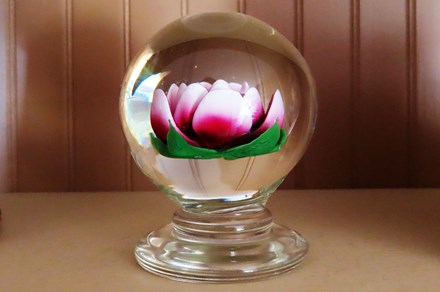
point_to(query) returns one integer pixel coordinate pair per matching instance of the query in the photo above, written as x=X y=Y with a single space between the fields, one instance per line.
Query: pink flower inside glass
x=214 y=115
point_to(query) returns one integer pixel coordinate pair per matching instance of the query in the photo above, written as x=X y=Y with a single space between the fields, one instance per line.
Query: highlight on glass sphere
x=218 y=107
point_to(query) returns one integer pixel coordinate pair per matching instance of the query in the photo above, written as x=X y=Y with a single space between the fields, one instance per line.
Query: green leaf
x=178 y=147
x=160 y=146
x=264 y=144
x=281 y=141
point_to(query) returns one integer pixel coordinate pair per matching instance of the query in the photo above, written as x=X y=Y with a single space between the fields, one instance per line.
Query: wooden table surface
x=361 y=240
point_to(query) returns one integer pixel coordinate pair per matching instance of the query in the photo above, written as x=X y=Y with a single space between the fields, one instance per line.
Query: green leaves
x=177 y=147
x=264 y=144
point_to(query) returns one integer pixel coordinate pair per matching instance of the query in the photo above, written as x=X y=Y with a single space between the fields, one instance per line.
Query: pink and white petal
x=235 y=86
x=207 y=85
x=275 y=112
x=252 y=97
x=172 y=96
x=187 y=104
x=160 y=117
x=220 y=85
x=182 y=88
x=244 y=87
x=173 y=104
x=221 y=117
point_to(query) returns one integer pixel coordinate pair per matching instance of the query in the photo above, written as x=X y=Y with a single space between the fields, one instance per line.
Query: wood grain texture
x=41 y=102
x=427 y=112
x=375 y=63
x=200 y=6
x=280 y=16
x=411 y=86
x=380 y=111
x=284 y=17
x=327 y=49
x=98 y=67
x=144 y=23
x=4 y=94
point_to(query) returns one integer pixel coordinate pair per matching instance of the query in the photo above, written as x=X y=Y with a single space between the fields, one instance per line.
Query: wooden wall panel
x=427 y=103
x=41 y=101
x=98 y=67
x=380 y=107
x=4 y=97
x=327 y=46
x=143 y=25
x=375 y=63
x=200 y=6
x=281 y=16
x=286 y=17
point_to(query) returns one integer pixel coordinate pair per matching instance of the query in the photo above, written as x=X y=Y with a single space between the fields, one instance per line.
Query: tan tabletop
x=361 y=240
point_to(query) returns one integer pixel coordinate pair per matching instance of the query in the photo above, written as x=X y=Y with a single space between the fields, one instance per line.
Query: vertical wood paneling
x=380 y=153
x=4 y=94
x=427 y=114
x=355 y=35
x=327 y=50
x=281 y=16
x=144 y=23
x=144 y=20
x=41 y=103
x=298 y=15
x=296 y=178
x=375 y=64
x=200 y=6
x=98 y=67
x=12 y=98
x=68 y=57
x=127 y=37
x=411 y=41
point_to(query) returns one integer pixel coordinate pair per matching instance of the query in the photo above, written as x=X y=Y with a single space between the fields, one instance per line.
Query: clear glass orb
x=232 y=54
x=217 y=110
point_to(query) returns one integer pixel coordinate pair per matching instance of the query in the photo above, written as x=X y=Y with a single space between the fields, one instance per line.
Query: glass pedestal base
x=221 y=248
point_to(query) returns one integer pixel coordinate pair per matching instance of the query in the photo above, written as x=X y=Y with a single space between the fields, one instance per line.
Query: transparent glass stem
x=235 y=244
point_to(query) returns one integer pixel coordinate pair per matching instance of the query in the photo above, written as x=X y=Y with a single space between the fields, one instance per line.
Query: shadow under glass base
x=221 y=248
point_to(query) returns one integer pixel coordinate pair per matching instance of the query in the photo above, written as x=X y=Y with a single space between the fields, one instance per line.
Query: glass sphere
x=218 y=108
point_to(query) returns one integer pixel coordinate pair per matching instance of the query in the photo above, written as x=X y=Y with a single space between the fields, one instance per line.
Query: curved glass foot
x=195 y=254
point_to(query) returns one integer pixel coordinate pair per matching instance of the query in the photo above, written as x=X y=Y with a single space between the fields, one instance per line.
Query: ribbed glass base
x=227 y=247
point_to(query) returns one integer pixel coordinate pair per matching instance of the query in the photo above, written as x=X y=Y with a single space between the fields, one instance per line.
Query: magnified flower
x=220 y=116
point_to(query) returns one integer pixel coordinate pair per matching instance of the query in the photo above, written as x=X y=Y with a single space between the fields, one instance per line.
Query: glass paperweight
x=217 y=110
